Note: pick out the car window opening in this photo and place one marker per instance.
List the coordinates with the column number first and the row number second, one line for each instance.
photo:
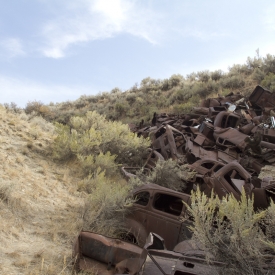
column 169, row 204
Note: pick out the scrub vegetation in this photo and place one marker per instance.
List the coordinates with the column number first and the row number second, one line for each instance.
column 241, row 238
column 60, row 173
column 176, row 94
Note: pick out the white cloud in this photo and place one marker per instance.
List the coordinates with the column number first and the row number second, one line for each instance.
column 21, row 91
column 12, row 47
column 98, row 19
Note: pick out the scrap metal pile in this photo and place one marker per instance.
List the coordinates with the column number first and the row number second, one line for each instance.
column 227, row 141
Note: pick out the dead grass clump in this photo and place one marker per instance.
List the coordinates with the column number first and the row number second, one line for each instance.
column 42, row 123
column 29, row 144
column 5, row 191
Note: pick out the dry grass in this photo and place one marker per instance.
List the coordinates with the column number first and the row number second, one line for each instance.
column 40, row 209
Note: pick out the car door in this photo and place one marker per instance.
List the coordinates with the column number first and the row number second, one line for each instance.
column 165, row 217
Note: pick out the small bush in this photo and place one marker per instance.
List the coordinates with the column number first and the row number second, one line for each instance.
column 38, row 108
column 192, row 77
column 94, row 135
column 165, row 85
column 122, row 107
column 61, row 147
column 232, row 82
column 269, row 63
column 269, row 82
column 171, row 175
column 258, row 75
column 102, row 162
column 253, row 63
column 12, row 107
column 216, row 75
column 238, row 69
column 168, row 174
column 106, row 206
column 175, row 80
column 231, row 232
column 183, row 108
column 131, row 98
column 33, row 106
column 203, row 76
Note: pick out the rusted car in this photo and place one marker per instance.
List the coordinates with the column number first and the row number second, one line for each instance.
column 160, row 210
column 230, row 179
column 97, row 254
column 262, row 98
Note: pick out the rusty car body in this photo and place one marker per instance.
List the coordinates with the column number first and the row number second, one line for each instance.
column 160, row 210
column 101, row 255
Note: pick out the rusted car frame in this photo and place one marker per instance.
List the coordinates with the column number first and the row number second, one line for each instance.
column 101, row 255
column 230, row 179
column 262, row 98
column 162, row 211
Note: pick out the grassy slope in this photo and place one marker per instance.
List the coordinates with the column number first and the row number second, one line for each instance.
column 40, row 210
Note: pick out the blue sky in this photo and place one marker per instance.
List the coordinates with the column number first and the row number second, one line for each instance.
column 58, row 50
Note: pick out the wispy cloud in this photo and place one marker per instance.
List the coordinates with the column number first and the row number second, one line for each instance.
column 99, row 19
column 201, row 34
column 11, row 47
column 22, row 90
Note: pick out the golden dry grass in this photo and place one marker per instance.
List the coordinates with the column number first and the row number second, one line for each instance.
column 40, row 210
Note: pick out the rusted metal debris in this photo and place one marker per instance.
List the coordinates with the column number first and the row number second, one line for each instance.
column 225, row 131
column 97, row 254
column 162, row 211
column 228, row 141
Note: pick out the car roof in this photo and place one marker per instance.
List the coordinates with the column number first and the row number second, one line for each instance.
column 152, row 186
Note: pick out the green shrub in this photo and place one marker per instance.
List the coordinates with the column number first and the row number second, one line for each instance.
column 171, row 175
column 183, row 108
column 201, row 89
column 175, row 80
column 216, row 75
column 269, row 82
column 122, row 107
column 269, row 64
column 253, row 63
column 61, row 145
column 93, row 135
column 168, row 174
column 230, row 231
column 258, row 75
column 232, row 82
column 238, row 69
column 203, row 76
column 131, row 98
column 165, row 85
column 192, row 77
column 101, row 162
column 148, row 84
column 106, row 206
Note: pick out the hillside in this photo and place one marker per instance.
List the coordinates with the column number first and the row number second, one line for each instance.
column 57, row 180
column 40, row 210
column 177, row 94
